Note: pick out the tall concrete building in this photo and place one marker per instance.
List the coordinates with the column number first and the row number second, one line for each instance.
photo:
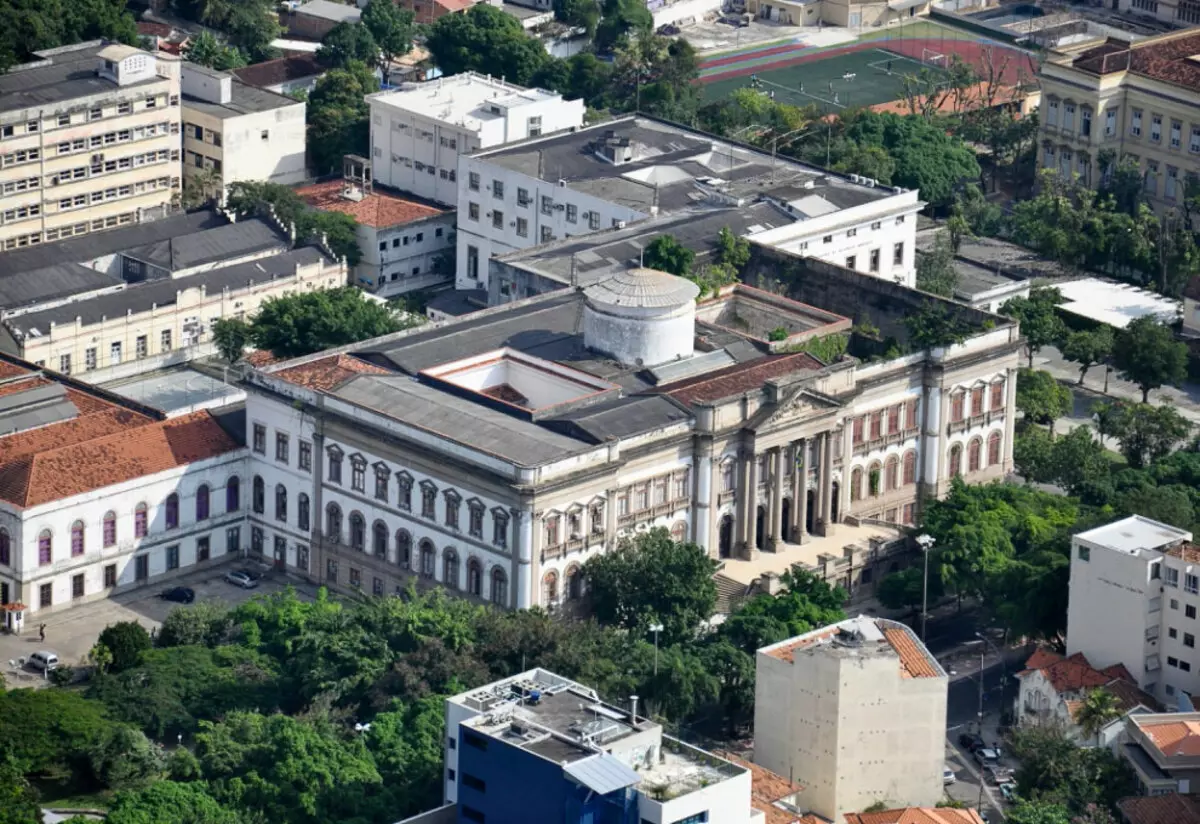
column 89, row 140
column 855, row 713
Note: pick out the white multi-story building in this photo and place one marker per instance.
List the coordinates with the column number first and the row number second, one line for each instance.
column 607, row 176
column 240, row 132
column 1135, row 592
column 856, row 713
column 99, row 494
column 89, row 140
column 419, row 131
column 495, row 453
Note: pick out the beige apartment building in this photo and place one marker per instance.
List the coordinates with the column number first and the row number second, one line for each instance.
column 1141, row 100
column 89, row 140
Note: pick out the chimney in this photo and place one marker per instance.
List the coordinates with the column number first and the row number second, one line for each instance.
column 633, row 701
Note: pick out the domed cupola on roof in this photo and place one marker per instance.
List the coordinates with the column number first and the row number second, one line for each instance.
column 642, row 317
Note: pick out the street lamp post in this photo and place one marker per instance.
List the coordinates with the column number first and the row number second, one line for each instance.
column 985, row 642
column 656, row 629
column 926, row 543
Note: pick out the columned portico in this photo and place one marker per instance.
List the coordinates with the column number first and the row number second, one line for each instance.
column 776, row 458
column 799, row 512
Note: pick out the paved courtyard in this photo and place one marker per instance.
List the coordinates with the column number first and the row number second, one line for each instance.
column 73, row 632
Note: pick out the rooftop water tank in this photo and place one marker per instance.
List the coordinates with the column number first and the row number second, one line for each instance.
column 642, row 317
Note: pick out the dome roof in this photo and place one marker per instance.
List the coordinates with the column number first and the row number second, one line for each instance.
column 647, row 288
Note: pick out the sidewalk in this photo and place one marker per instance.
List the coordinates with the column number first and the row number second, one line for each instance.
column 1185, row 398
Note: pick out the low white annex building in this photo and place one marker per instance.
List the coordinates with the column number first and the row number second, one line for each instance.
column 239, row 131
column 419, row 130
column 99, row 494
column 617, row 173
column 1134, row 597
column 855, row 713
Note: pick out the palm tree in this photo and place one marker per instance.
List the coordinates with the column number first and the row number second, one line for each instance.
column 1099, row 708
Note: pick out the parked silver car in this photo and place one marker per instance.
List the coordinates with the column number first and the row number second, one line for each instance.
column 241, row 579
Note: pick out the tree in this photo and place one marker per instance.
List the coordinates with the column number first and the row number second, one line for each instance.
column 732, row 250
column 338, row 115
column 621, row 18
column 582, row 13
column 206, row 50
column 1107, row 417
column 348, row 43
column 936, row 324
column 1167, row 504
column 1040, row 323
column 1088, row 348
column 935, row 269
column 1033, row 456
column 203, row 623
column 391, row 26
column 1099, row 709
column 18, row 800
column 1147, row 353
column 1041, row 398
column 805, row 602
column 1054, row 771
column 1077, row 461
column 200, row 188
column 338, row 231
column 49, row 732
column 906, row 589
column 652, row 579
column 125, row 759
column 231, row 336
column 1031, row 812
column 307, row 322
column 126, row 640
column 1149, row 433
column 171, row 802
column 486, row 40
column 666, row 254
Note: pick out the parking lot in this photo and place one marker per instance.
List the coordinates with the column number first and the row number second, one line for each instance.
column 73, row 632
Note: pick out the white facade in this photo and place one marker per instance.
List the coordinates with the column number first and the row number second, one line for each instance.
column 240, row 132
column 419, row 131
column 400, row 259
column 853, row 720
column 1134, row 597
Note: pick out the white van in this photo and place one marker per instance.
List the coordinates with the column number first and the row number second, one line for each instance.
column 43, row 661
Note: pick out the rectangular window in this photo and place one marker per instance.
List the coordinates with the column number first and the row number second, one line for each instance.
column 477, row 784
column 233, row 539
column 473, row 211
column 472, row 814
column 898, row 254
column 110, row 576
column 547, row 205
column 1176, row 134
column 1110, row 122
column 46, row 595
column 77, row 586
column 475, row 740
column 523, row 198
column 874, row 264
column 1191, row 583
column 281, row 447
column 1189, row 611
column 497, row 219
column 593, row 220
column 1172, row 187
column 64, row 364
column 305, row 458
column 522, row 227
column 1194, row 142
column 173, row 557
column 572, row 213
column 166, row 340
column 498, row 189
column 1156, row 128
column 473, row 181
column 1085, row 123
column 851, row 262
column 1052, row 113
column 1171, row 578
column 141, row 347
column 202, row 549
column 473, row 262
column 547, row 234
column 1189, row 640
column 1135, row 123
column 260, row 439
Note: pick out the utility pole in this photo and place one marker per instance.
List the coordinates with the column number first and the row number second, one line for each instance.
column 656, row 629
column 926, row 543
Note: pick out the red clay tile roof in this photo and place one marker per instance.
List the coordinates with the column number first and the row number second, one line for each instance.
column 1176, row 738
column 1185, row 552
column 1072, row 674
column 1041, row 658
column 275, row 72
column 380, row 209
column 916, row 815
column 1076, row 674
column 150, row 29
column 260, row 358
column 765, row 789
column 327, row 374
column 1167, row 58
column 742, row 377
column 456, row 5
column 914, row 663
column 56, row 473
column 1172, row 808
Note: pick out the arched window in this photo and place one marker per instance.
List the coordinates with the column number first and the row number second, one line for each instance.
column 5, row 548
column 875, row 478
column 280, row 502
column 994, row 449
column 259, row 496
column 302, row 512
column 450, row 568
column 333, row 523
column 856, row 483
column 679, row 532
column 427, row 559
column 404, row 548
column 956, row 460
column 974, row 455
column 499, row 587
column 141, row 521
column 550, row 588
column 891, row 474
column 202, row 502
column 45, row 547
column 172, row 511
column 110, row 529
column 379, row 539
column 474, row 578
column 76, row 539
column 358, row 532
column 574, row 582
column 910, row 467
column 233, row 494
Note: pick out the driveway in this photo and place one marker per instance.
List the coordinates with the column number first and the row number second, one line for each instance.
column 72, row 633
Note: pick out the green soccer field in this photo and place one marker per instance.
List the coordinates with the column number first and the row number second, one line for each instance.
column 877, row 78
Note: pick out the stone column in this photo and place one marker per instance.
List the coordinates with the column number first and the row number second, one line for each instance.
column 800, row 493
column 702, row 499
column 520, row 589
column 749, row 499
column 824, row 479
column 775, row 525
column 1010, row 419
column 847, row 446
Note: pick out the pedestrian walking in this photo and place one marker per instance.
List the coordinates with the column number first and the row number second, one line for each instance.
column 42, row 632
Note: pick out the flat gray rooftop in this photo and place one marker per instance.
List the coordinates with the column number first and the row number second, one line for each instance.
column 177, row 391
column 69, row 74
column 666, row 163
column 212, row 245
column 1134, row 534
column 245, row 99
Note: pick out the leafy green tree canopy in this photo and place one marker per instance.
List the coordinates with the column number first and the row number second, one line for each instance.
column 347, row 43
column 666, row 254
column 1040, row 397
column 126, row 641
column 1147, row 353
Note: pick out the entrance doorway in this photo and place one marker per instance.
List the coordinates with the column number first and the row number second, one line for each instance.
column 787, row 520
column 725, row 538
column 759, row 527
column 810, row 514
column 833, row 508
